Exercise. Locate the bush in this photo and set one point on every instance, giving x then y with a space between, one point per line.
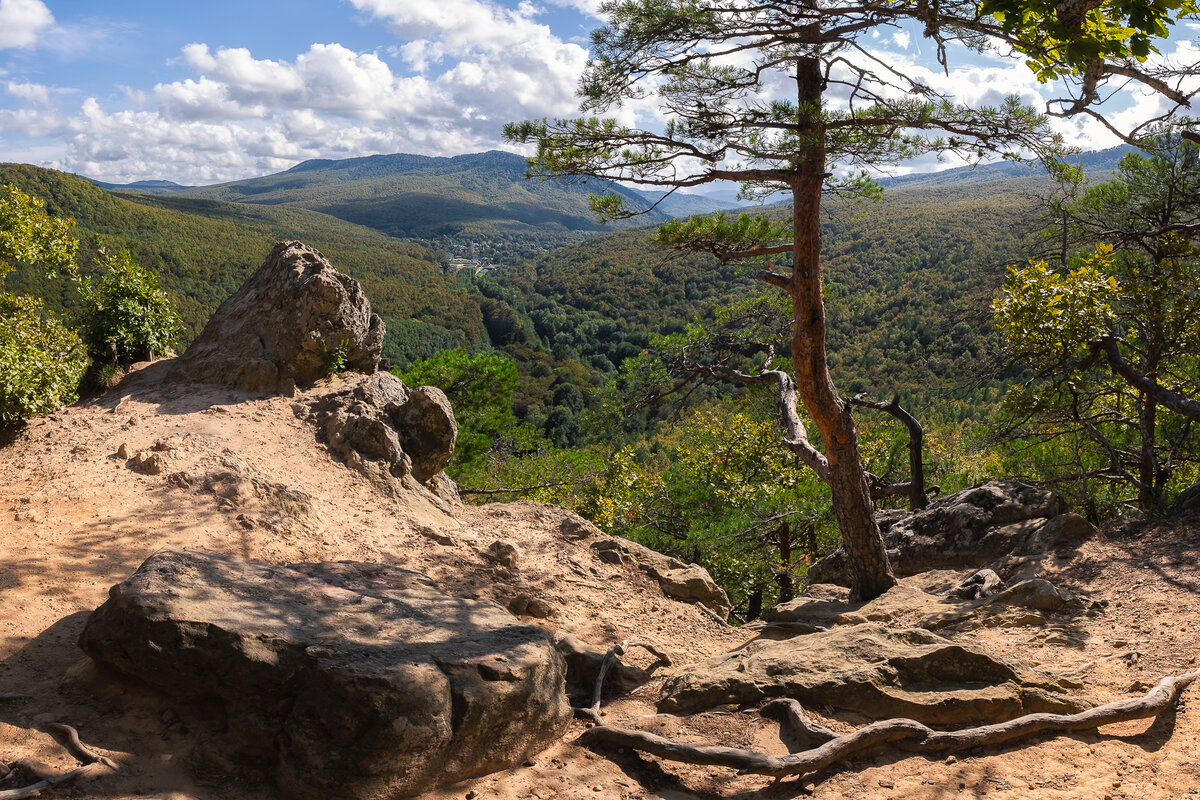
41 361
125 313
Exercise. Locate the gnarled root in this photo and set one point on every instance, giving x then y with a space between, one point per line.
905 734
610 658
94 763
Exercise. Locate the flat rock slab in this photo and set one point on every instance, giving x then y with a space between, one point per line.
877 671
909 606
359 680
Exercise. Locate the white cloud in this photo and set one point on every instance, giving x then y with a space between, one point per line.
38 117
589 8
22 22
902 39
514 66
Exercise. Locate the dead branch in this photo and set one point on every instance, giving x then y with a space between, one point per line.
915 487
1130 655
93 763
793 628
906 734
34 789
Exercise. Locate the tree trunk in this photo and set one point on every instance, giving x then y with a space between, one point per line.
869 568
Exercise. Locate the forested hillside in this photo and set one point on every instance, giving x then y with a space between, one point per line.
204 249
909 278
482 197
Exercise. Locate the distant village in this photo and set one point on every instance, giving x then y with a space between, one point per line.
467 257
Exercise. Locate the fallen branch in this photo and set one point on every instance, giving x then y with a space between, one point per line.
34 789
906 734
93 763
1132 655
794 628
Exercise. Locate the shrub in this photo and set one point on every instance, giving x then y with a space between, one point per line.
125 313
41 361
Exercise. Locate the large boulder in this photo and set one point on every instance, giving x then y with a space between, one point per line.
878 671
356 680
384 429
969 529
676 579
292 322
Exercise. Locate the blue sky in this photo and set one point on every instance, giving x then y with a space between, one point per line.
198 93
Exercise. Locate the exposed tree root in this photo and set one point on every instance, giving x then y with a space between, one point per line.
94 763
610 658
905 734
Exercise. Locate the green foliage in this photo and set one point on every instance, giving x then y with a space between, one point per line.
1059 39
722 490
1136 292
333 359
480 387
125 314
41 361
1044 311
30 236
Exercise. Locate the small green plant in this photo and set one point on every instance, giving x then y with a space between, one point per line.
41 361
333 359
126 316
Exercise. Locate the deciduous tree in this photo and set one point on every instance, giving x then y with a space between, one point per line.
1114 337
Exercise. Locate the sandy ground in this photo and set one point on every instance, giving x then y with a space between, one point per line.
245 475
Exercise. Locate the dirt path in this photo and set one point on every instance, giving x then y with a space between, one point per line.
244 475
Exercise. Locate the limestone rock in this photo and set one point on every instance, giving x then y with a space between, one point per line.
878 671
1036 594
288 324
355 680
678 580
968 529
385 430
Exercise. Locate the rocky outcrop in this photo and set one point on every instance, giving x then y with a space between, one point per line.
678 580
385 430
355 680
969 529
291 323
878 671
